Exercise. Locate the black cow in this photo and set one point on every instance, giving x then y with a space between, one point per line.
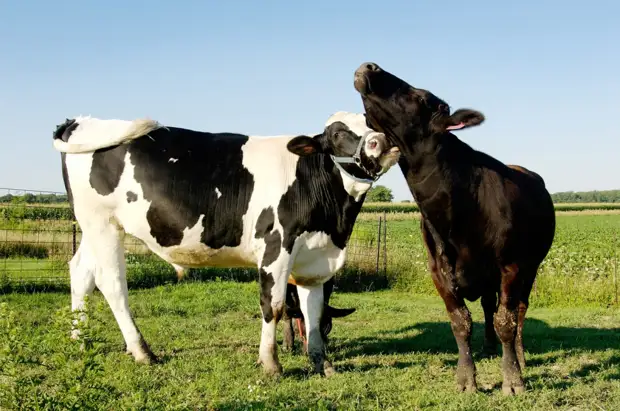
293 310
283 204
487 227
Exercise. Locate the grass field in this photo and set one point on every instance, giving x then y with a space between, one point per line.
395 352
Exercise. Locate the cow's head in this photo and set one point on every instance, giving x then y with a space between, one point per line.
404 113
361 151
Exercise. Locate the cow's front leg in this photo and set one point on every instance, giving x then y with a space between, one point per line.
272 294
461 324
311 304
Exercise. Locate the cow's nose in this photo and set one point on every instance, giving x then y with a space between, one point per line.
367 67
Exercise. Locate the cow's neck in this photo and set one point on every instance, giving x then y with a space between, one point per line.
433 169
356 187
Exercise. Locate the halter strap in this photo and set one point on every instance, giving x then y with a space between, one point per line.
357 160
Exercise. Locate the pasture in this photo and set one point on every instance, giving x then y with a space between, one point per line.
395 352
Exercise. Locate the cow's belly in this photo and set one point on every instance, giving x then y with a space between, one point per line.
199 255
191 252
317 259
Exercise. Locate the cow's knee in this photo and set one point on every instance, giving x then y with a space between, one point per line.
505 321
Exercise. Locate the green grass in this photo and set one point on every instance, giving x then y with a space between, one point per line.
26 268
395 352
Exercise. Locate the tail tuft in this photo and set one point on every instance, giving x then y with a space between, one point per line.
91 134
63 131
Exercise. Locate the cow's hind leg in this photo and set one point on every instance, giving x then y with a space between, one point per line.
82 271
288 332
506 321
288 340
311 304
105 243
489 306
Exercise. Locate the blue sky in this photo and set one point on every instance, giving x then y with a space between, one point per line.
545 74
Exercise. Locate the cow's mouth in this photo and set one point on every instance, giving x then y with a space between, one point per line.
388 159
361 82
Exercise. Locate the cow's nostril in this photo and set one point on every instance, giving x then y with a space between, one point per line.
371 66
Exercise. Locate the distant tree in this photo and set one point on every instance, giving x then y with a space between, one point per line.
608 196
34 198
379 194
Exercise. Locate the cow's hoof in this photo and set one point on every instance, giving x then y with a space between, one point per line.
142 353
328 369
286 348
147 359
513 389
466 379
466 387
272 369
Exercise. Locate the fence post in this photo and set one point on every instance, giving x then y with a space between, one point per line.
378 246
74 232
384 243
615 268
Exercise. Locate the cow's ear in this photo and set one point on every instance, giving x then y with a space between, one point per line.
462 118
304 146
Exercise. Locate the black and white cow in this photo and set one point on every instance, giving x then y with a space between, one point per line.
284 204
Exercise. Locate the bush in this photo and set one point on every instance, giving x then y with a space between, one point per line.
25 212
26 250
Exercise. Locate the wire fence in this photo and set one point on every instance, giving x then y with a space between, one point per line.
39 236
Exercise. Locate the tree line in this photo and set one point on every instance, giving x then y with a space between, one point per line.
606 196
30 198
379 193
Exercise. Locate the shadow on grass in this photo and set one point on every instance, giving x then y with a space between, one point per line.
437 338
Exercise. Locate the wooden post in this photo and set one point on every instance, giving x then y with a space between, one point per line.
74 233
615 268
378 246
384 243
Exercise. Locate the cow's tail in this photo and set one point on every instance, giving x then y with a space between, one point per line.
86 134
